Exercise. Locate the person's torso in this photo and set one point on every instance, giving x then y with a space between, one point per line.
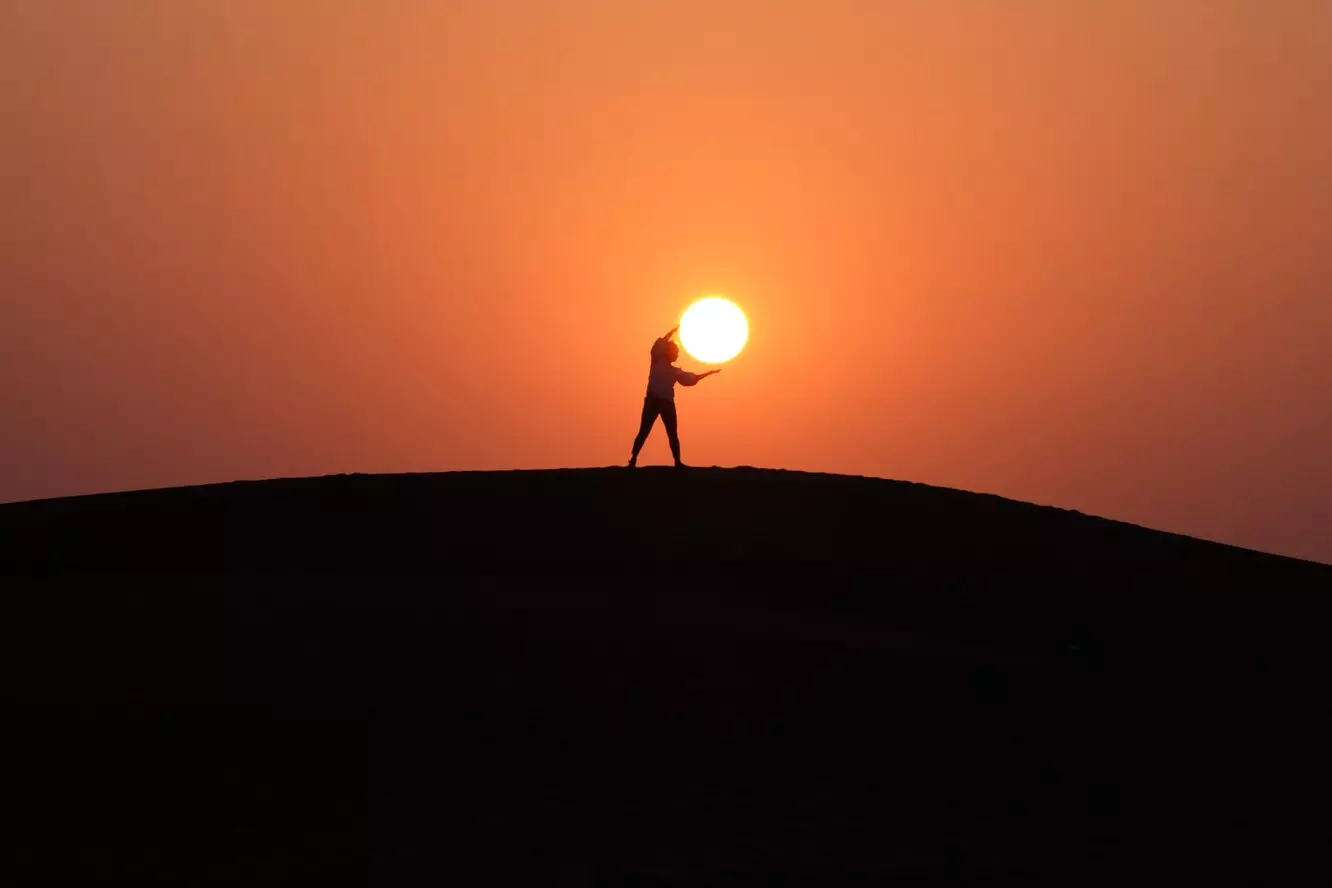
661 381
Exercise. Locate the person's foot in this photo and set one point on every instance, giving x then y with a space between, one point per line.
680 465
633 463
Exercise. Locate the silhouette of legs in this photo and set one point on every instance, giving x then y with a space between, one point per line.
650 411
668 419
652 408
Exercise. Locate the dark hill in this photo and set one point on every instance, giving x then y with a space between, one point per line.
583 675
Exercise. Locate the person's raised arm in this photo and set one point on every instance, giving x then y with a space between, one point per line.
672 332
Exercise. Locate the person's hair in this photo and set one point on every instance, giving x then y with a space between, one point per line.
665 350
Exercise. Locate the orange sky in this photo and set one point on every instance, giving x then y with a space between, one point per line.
1072 253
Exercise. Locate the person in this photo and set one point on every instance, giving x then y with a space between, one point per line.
660 397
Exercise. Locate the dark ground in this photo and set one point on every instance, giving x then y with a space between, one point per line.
579 676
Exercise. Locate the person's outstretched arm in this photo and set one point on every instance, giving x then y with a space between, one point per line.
684 377
672 332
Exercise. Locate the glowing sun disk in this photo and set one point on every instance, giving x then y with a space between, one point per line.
714 330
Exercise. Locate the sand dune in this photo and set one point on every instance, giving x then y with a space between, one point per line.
592 674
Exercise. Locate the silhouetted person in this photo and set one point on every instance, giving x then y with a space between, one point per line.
660 398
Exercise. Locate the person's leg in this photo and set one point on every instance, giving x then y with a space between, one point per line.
668 419
644 426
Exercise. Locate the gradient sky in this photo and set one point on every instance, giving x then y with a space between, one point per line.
1073 253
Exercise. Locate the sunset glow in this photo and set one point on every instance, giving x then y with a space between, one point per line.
1068 253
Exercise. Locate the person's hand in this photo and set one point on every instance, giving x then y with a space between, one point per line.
674 330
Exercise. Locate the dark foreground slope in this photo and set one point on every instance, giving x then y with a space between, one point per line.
582 675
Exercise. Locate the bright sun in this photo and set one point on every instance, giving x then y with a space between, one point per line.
714 330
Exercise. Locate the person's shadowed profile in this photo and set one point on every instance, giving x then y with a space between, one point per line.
660 397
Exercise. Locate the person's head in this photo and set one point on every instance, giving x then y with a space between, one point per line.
665 350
